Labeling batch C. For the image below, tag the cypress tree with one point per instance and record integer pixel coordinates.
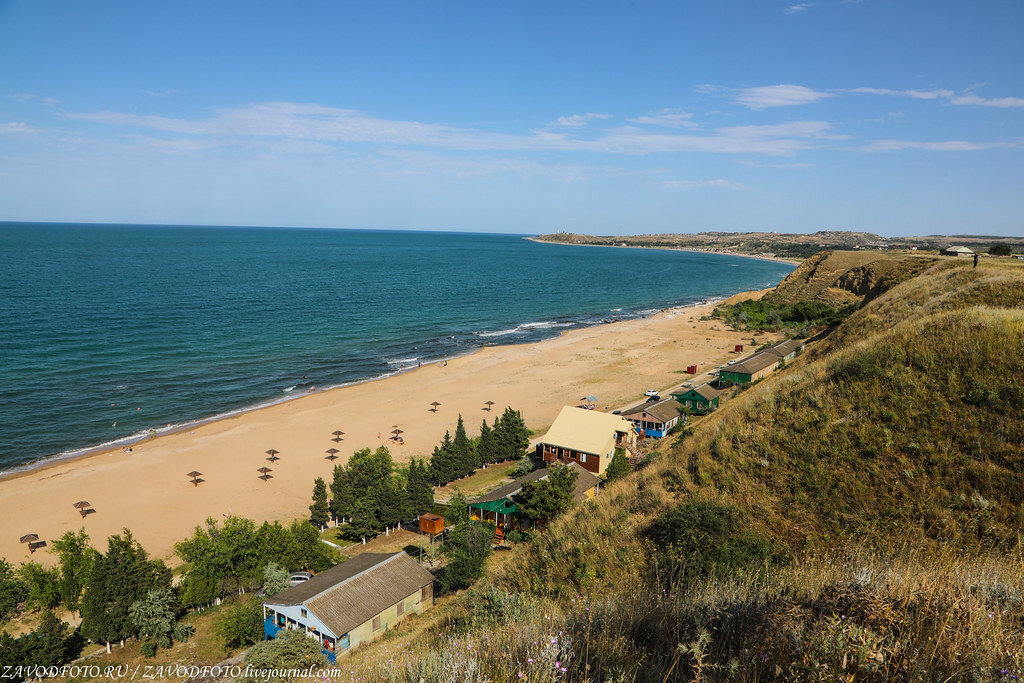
(442, 462)
(391, 503)
(485, 446)
(319, 511)
(419, 489)
(364, 523)
(342, 493)
(618, 467)
(511, 435)
(462, 451)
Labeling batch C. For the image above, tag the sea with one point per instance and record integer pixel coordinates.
(111, 333)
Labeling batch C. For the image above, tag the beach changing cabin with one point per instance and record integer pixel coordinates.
(761, 364)
(586, 437)
(654, 418)
(700, 400)
(353, 602)
(497, 507)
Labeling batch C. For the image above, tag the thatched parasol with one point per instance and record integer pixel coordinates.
(29, 538)
(331, 454)
(434, 406)
(82, 504)
(195, 474)
(488, 404)
(272, 452)
(264, 473)
(337, 435)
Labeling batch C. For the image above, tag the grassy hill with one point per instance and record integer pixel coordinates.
(855, 516)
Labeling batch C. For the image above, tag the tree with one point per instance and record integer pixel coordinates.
(468, 547)
(618, 467)
(291, 651)
(364, 523)
(523, 467)
(53, 643)
(342, 493)
(391, 502)
(485, 445)
(1000, 249)
(118, 579)
(222, 559)
(369, 469)
(156, 617)
(458, 510)
(42, 584)
(75, 558)
(241, 624)
(464, 456)
(512, 438)
(311, 553)
(419, 489)
(319, 511)
(442, 463)
(275, 580)
(12, 590)
(542, 500)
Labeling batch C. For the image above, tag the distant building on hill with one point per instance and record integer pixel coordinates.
(654, 418)
(498, 508)
(957, 251)
(700, 400)
(586, 437)
(353, 602)
(760, 364)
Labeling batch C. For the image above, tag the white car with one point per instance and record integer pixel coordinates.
(651, 392)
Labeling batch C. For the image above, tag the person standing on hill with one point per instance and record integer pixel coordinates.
(975, 260)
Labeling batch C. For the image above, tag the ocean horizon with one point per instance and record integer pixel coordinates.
(112, 331)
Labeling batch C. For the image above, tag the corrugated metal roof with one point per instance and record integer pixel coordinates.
(585, 480)
(752, 364)
(355, 591)
(664, 410)
(586, 431)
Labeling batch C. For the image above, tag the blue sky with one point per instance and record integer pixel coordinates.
(898, 117)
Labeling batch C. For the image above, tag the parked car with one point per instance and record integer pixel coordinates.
(300, 577)
(651, 392)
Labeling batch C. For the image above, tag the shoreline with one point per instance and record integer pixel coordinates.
(777, 259)
(147, 490)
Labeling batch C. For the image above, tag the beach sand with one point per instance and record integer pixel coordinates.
(148, 490)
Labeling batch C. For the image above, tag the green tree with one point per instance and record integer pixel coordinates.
(42, 584)
(618, 467)
(542, 500)
(75, 557)
(241, 624)
(443, 467)
(524, 466)
(468, 547)
(391, 502)
(155, 616)
(276, 543)
(512, 438)
(223, 559)
(289, 651)
(311, 552)
(319, 511)
(53, 643)
(457, 514)
(364, 523)
(419, 489)
(464, 455)
(275, 580)
(369, 469)
(1000, 249)
(342, 493)
(12, 590)
(485, 444)
(119, 578)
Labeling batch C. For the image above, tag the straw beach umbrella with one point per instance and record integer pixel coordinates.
(264, 473)
(331, 454)
(195, 474)
(396, 432)
(434, 406)
(488, 404)
(29, 538)
(272, 452)
(337, 435)
(82, 504)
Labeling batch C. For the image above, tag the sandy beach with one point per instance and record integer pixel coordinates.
(148, 490)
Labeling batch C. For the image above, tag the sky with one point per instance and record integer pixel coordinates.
(900, 117)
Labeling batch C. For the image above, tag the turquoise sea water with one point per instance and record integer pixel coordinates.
(147, 326)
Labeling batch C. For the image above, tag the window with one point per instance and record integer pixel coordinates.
(583, 457)
(401, 608)
(376, 623)
(303, 612)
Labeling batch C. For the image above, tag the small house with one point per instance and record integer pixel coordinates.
(700, 400)
(353, 602)
(957, 251)
(586, 437)
(654, 418)
(760, 364)
(497, 507)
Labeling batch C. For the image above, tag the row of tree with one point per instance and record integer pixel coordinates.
(458, 456)
(370, 495)
(223, 559)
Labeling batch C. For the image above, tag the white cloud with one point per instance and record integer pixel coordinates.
(23, 96)
(717, 184)
(161, 93)
(799, 7)
(17, 128)
(671, 118)
(766, 96)
(967, 98)
(939, 146)
(298, 121)
(578, 120)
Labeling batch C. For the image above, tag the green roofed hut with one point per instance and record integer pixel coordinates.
(760, 364)
(496, 506)
(700, 400)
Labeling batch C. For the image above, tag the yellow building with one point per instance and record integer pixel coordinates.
(353, 602)
(585, 437)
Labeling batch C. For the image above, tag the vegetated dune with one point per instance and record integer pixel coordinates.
(857, 515)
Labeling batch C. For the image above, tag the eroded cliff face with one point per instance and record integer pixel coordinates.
(842, 278)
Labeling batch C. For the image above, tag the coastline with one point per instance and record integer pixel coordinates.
(148, 491)
(777, 259)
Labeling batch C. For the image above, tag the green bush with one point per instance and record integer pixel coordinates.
(701, 538)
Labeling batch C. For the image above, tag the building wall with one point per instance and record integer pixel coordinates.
(294, 612)
(364, 633)
(591, 463)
